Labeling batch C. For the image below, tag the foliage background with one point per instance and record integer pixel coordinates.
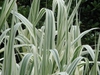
(90, 17)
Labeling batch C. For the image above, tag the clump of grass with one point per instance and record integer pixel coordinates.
(42, 54)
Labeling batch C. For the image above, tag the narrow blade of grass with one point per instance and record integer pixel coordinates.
(9, 65)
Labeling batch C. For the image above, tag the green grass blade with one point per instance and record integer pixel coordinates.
(40, 15)
(71, 68)
(9, 65)
(48, 39)
(6, 9)
(28, 24)
(71, 18)
(95, 69)
(86, 69)
(60, 21)
(49, 30)
(56, 57)
(36, 63)
(3, 35)
(63, 73)
(82, 34)
(77, 52)
(24, 68)
(90, 51)
(23, 39)
(34, 11)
